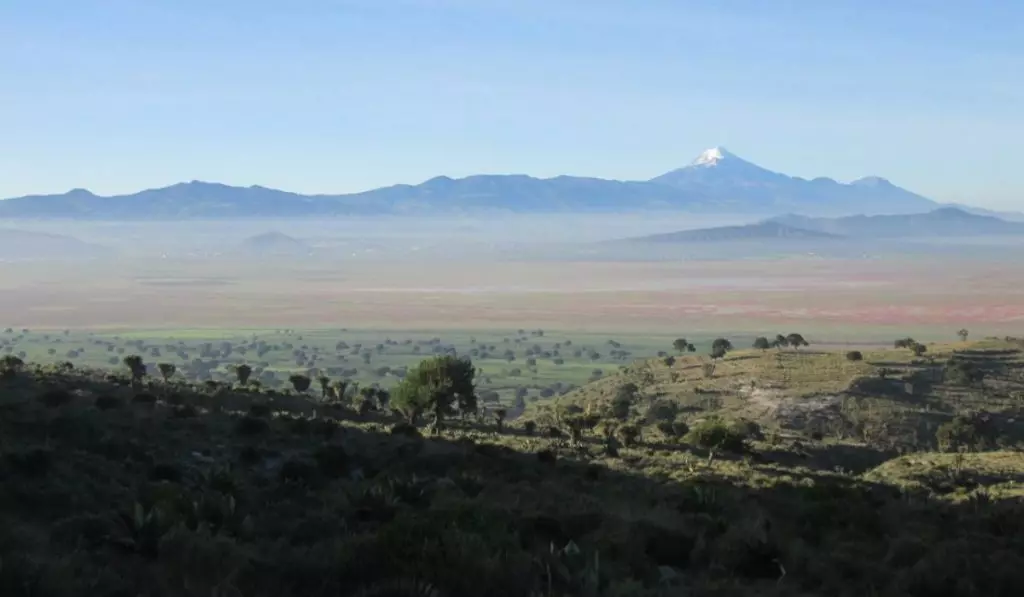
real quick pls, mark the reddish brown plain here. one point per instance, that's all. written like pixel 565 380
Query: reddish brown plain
pixel 849 298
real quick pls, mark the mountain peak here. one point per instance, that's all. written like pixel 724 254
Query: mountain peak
pixel 711 157
pixel 872 181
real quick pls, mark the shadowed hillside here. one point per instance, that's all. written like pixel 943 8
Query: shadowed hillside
pixel 117 484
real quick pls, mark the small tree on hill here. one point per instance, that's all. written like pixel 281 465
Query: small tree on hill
pixel 904 343
pixel 761 343
pixel 681 345
pixel 918 349
pixel 136 367
pixel 719 347
pixel 325 386
pixel 300 382
pixel 499 418
pixel 242 373
pixel 437 385
pixel 780 342
pixel 166 371
pixel 339 389
pixel 796 341
pixel 963 333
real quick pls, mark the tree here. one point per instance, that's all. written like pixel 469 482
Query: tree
pixel 780 341
pixel 136 367
pixel 854 355
pixel 325 386
pixel 242 373
pixel 963 333
pixel 681 345
pixel 437 385
pixel 720 347
pixel 918 349
pixel 166 370
pixel 761 343
pixel 300 382
pixel 796 341
pixel 499 418
pixel 339 389
pixel 904 343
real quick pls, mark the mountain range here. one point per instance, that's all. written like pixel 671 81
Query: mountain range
pixel 716 182
pixel 945 222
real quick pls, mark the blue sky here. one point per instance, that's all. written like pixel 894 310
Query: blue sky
pixel 345 95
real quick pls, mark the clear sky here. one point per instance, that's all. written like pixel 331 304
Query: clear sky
pixel 345 95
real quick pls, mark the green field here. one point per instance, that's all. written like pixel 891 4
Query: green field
pixel 532 364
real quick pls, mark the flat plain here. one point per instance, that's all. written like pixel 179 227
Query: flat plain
pixel 832 301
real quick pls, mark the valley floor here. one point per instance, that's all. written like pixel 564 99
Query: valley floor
pixel 836 300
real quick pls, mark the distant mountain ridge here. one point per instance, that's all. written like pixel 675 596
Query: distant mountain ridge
pixel 761 231
pixel 29 245
pixel 716 182
pixel 945 221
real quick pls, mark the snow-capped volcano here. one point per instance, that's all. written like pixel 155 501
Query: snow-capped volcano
pixel 729 180
pixel 711 157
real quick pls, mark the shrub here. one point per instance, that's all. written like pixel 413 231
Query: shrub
pixel 673 429
pixel 332 460
pixel 55 397
pixel 406 429
pixel 854 355
pixel 250 425
pixel 630 435
pixel 108 402
pixel 962 372
pixel 715 434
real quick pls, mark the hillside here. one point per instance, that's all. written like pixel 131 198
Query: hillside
pixel 763 231
pixel 169 489
pixel 28 245
pixel 274 243
pixel 716 182
pixel 944 222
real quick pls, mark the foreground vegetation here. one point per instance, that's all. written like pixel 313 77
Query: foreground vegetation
pixel 666 478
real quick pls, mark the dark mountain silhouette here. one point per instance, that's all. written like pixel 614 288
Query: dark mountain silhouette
pixel 762 231
pixel 946 221
pixel 716 182
pixel 24 244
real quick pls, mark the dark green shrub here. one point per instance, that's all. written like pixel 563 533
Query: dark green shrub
pixel 55 397
pixel 260 409
pixel 250 425
pixel 673 429
pixel 715 434
pixel 108 402
pixel 406 429
pixel 332 460
pixel 854 355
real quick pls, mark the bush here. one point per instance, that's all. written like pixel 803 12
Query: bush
pixel 108 402
pixel 715 434
pixel 673 429
pixel 962 373
pixel 250 425
pixel 854 355
pixel 55 397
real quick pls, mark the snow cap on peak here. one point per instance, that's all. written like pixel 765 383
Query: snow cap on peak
pixel 710 157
